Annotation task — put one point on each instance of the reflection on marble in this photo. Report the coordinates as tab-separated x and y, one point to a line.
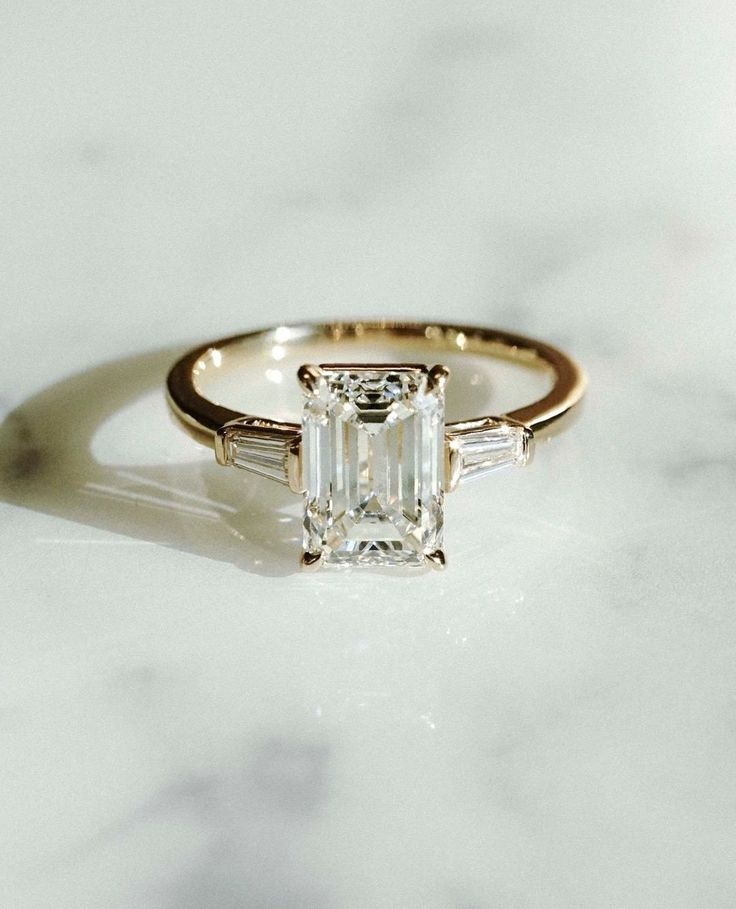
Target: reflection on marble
186	720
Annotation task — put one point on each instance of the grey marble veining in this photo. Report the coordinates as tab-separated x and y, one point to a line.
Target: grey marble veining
186	720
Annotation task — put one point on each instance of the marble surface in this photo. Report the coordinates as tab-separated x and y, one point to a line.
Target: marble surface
187	722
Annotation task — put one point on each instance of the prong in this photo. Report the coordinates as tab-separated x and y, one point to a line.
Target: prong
453	466
436	559
529	447
437	377
221	453
311	560
294	465
309	377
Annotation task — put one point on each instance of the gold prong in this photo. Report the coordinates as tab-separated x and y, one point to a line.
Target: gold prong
529	446
437	377
310	561
436	559
221	453
309	377
453	466
294	465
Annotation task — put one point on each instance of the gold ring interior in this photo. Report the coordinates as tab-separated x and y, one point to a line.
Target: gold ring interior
202	417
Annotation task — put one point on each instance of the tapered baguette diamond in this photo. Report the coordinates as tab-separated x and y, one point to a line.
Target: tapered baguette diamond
481	446
261	449
373	450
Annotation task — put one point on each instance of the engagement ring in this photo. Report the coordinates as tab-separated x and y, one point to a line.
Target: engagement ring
373	456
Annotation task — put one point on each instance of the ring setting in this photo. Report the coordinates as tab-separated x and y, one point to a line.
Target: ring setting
374	454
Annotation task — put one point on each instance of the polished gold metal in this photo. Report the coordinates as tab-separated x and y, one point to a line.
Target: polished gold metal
437	559
203	418
294	471
309	377
311	561
438	376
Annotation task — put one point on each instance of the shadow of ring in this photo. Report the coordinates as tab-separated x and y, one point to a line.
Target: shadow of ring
47	465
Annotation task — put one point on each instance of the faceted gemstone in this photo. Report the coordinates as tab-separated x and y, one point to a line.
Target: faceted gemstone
261	449
479	447
373	448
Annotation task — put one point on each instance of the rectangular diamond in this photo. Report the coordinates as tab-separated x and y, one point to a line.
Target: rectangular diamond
373	447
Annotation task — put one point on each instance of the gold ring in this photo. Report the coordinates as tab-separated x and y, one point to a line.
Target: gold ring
373	455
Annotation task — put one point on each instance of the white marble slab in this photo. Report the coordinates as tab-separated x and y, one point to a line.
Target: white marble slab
187	722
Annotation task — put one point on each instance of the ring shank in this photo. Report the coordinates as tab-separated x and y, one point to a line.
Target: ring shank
202	417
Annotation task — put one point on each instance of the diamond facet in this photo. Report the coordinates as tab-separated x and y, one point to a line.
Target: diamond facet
373	450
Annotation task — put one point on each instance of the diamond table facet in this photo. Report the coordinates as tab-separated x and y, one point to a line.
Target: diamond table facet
373	460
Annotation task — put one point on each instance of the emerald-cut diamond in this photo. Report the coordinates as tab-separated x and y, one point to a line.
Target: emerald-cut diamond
373	450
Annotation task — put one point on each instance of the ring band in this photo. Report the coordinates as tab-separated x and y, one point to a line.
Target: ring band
373	456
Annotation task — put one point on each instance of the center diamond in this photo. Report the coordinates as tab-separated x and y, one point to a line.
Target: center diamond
373	448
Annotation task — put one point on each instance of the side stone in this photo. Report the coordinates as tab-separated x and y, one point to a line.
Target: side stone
263	448
481	446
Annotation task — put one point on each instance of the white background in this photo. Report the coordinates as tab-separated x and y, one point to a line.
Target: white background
188	722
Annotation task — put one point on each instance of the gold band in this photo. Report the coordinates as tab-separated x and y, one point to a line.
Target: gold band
203	418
